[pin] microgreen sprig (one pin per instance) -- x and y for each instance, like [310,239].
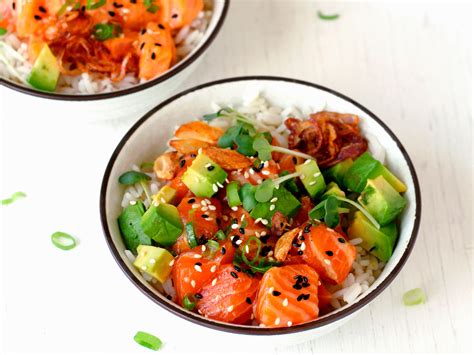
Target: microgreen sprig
[132,177]
[265,149]
[230,114]
[264,191]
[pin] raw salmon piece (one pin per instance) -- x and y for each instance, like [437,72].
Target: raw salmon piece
[119,47]
[255,175]
[302,215]
[327,252]
[157,50]
[324,297]
[180,13]
[203,213]
[287,295]
[228,296]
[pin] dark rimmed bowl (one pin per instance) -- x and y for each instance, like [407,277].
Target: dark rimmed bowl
[158,125]
[131,101]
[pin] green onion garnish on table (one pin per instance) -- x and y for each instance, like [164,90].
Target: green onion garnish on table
[63,241]
[414,297]
[327,17]
[148,340]
[15,196]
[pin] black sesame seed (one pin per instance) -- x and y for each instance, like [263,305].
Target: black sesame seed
[143,32]
[297,287]
[305,284]
[202,239]
[265,250]
[223,251]
[341,240]
[83,8]
[198,264]
[153,55]
[301,237]
[198,296]
[204,215]
[300,252]
[248,300]
[174,16]
[234,220]
[300,297]
[111,13]
[191,200]
[372,249]
[210,168]
[193,155]
[264,239]
[37,17]
[133,1]
[237,268]
[42,9]
[241,230]
[306,297]
[304,279]
[157,44]
[218,221]
[13,5]
[329,253]
[276,293]
[298,277]
[117,6]
[161,26]
[169,297]
[307,228]
[234,275]
[181,162]
[296,244]
[295,161]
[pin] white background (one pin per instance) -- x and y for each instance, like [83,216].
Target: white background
[411,64]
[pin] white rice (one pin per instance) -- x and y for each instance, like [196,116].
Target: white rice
[366,267]
[15,66]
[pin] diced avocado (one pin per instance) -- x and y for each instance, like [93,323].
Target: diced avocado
[162,223]
[247,196]
[45,72]
[232,194]
[130,226]
[204,177]
[382,201]
[366,167]
[165,195]
[333,189]
[379,242]
[154,261]
[338,171]
[311,177]
[285,203]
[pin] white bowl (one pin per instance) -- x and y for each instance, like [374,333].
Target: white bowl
[148,138]
[131,102]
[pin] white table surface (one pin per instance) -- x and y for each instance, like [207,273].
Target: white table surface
[408,63]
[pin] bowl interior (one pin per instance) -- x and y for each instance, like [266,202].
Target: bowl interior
[148,138]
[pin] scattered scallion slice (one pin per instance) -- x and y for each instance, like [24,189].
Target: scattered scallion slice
[220,235]
[15,196]
[327,17]
[414,297]
[232,193]
[96,5]
[211,248]
[63,240]
[3,31]
[192,241]
[148,340]
[188,303]
[105,31]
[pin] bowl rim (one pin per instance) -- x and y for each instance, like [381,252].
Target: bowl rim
[245,330]
[179,67]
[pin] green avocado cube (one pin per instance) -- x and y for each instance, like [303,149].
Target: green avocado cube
[45,72]
[262,210]
[154,261]
[366,167]
[130,227]
[382,201]
[333,190]
[338,171]
[379,242]
[247,196]
[204,176]
[165,195]
[311,177]
[161,222]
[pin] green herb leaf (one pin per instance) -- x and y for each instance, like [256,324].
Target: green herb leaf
[331,216]
[96,5]
[264,191]
[132,177]
[414,297]
[327,17]
[105,31]
[148,340]
[244,145]
[15,196]
[63,241]
[3,31]
[189,303]
[227,139]
[263,148]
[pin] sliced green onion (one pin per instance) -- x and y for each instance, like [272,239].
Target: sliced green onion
[15,196]
[264,191]
[414,297]
[105,31]
[96,5]
[362,209]
[63,240]
[232,193]
[257,254]
[148,340]
[153,8]
[220,235]
[132,177]
[188,303]
[327,17]
[192,241]
[3,31]
[211,248]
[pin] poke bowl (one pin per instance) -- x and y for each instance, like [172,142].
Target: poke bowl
[261,206]
[116,55]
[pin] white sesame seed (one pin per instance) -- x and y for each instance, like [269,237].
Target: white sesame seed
[199,150]
[312,183]
[207,165]
[329,229]
[215,188]
[285,302]
[263,233]
[270,253]
[247,250]
[196,205]
[277,187]
[152,261]
[233,209]
[238,242]
[264,222]
[272,207]
[302,176]
[204,202]
[212,207]
[133,203]
[316,174]
[220,185]
[213,268]
[235,226]
[265,164]
[257,234]
[197,268]
[227,180]
[327,261]
[144,267]
[193,283]
[258,220]
[251,171]
[208,219]
[203,248]
[265,172]
[273,200]
[163,200]
[303,246]
[171,263]
[230,308]
[307,161]
[246,175]
[214,282]
[197,256]
[186,279]
[155,204]
[270,290]
[259,181]
[204,209]
[290,323]
[225,218]
[319,283]
[277,321]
